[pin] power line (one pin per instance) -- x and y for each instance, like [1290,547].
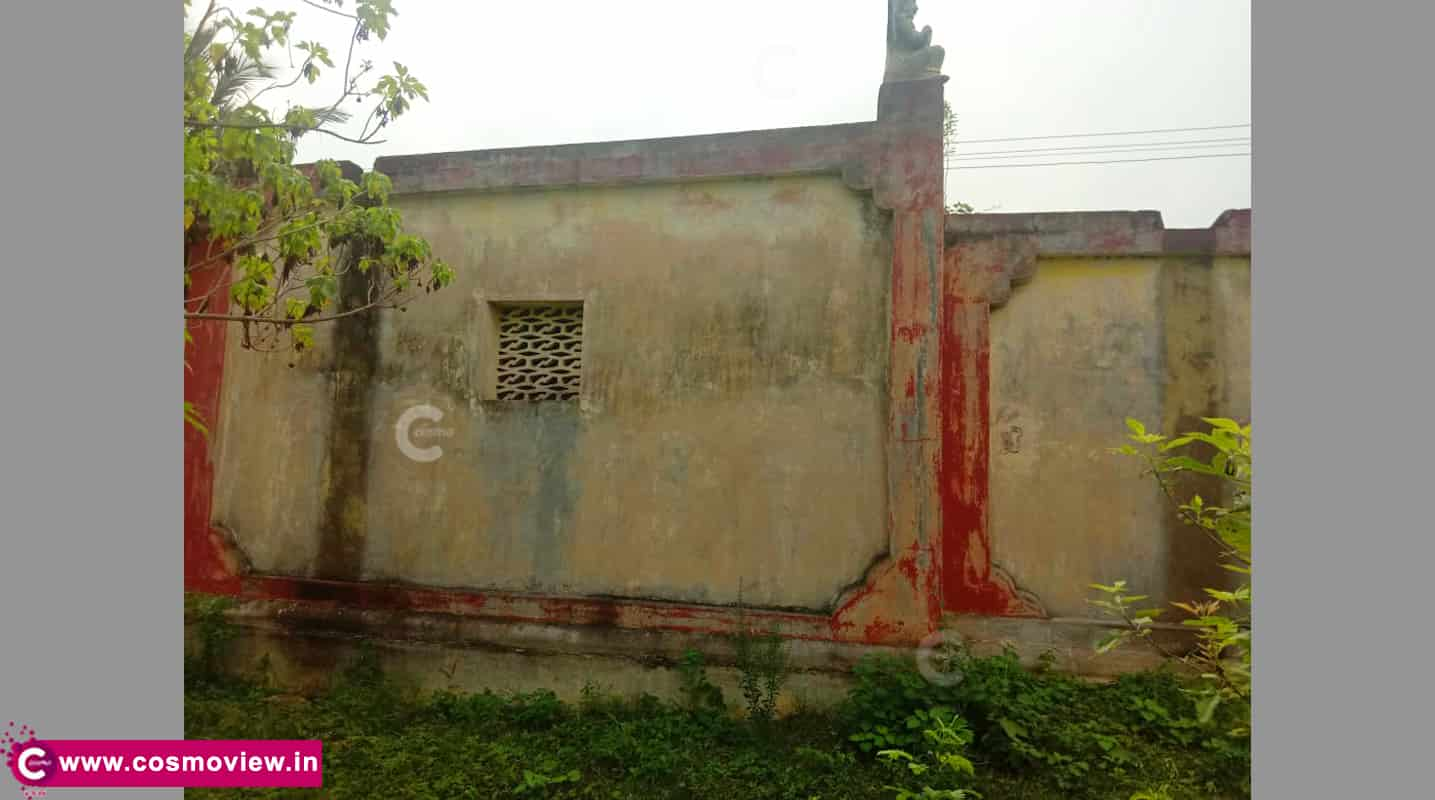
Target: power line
[1111,152]
[1117,161]
[1114,133]
[1133,145]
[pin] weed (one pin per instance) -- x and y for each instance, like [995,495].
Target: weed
[700,694]
[762,664]
[213,638]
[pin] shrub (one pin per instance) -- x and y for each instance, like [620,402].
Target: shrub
[943,761]
[763,667]
[1068,735]
[1222,620]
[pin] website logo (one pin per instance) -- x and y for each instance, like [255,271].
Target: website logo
[39,766]
[30,760]
[939,657]
[408,437]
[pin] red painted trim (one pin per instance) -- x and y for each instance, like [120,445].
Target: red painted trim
[206,565]
[534,608]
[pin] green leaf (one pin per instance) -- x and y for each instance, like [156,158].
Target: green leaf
[303,337]
[296,308]
[1176,463]
[957,763]
[1240,595]
[1110,641]
[1012,729]
[193,419]
[1206,707]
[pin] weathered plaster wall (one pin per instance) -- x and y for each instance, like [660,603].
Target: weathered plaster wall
[271,451]
[1101,333]
[730,428]
[1073,355]
[798,375]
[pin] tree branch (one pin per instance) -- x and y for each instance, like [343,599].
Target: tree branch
[189,51]
[270,226]
[333,11]
[282,322]
[255,99]
[260,126]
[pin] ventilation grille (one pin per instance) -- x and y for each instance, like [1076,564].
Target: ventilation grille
[540,351]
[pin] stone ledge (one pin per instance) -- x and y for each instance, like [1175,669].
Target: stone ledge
[306,663]
[1072,640]
[1107,233]
[837,149]
[312,639]
[539,638]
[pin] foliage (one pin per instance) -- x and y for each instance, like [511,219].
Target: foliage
[949,135]
[383,739]
[888,695]
[763,667]
[944,761]
[192,417]
[486,745]
[1222,620]
[535,782]
[699,692]
[1229,461]
[213,636]
[303,247]
[1071,737]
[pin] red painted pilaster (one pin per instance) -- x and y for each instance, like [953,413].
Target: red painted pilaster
[971,582]
[207,565]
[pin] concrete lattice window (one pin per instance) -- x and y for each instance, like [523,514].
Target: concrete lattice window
[540,351]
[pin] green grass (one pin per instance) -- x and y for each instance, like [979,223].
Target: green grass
[381,741]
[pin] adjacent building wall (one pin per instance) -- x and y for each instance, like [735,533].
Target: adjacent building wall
[1117,318]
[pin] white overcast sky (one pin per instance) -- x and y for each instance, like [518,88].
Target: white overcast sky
[510,74]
